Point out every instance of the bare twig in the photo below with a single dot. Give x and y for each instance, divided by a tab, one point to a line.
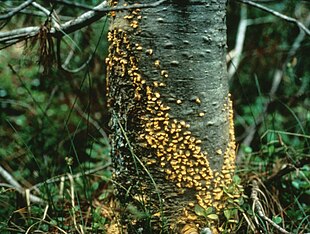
41	8
39	222
239	43
65	177
71	193
18	34
13	184
70	54
249	221
278	14
15	10
116	8
74	4
234	55
16	186
79	68
9	178
259	208
39	13
98	12
64	65
55	20
250	130
68	27
83	20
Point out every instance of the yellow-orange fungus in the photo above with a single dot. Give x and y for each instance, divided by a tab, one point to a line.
175	148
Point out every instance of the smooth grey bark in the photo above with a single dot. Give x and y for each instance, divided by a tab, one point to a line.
173	142
190	41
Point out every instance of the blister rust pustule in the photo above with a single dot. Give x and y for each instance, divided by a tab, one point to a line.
177	151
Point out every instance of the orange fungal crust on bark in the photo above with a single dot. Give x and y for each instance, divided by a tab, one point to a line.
176	150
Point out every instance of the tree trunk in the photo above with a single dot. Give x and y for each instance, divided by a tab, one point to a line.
171	115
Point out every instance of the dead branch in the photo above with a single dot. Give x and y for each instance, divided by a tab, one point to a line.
13	184
237	51
119	8
277	78
68	27
278	14
259	208
15	10
234	56
76	70
54	19
16	186
9	178
87	18
64	177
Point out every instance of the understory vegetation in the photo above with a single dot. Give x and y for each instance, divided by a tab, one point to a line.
55	157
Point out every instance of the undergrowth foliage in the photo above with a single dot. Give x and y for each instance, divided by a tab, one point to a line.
53	141
54	150
272	117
